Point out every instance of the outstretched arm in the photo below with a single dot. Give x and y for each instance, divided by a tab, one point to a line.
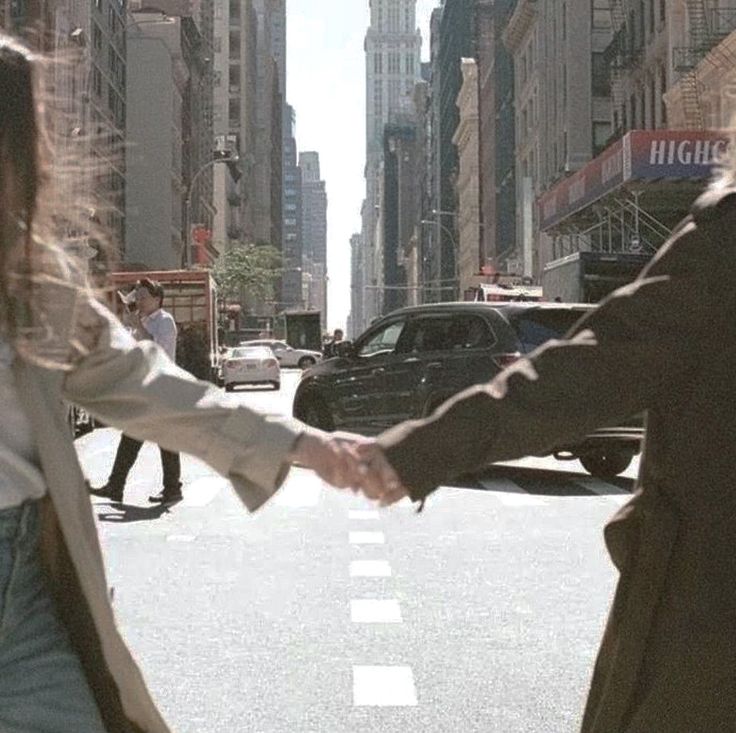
637	346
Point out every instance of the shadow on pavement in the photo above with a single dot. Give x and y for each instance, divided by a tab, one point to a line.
544	482
132	513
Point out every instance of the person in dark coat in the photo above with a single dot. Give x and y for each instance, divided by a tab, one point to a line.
665	343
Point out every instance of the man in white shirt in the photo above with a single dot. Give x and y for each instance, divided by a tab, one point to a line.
151	323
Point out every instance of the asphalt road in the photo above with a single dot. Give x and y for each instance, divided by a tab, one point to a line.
319	613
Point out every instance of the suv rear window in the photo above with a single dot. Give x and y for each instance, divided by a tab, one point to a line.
538	326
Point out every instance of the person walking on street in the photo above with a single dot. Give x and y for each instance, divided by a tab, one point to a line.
149	321
664	344
331	347
64	665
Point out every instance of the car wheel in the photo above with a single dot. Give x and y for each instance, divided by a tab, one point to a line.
306	361
229	387
314	412
276	385
606	464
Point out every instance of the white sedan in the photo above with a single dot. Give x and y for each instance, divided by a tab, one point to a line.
287	355
250	365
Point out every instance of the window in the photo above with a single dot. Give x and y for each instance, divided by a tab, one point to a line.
601	76
378	63
662	10
446	333
382	341
601	133
409	64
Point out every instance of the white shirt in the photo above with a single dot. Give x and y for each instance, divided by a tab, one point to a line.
161	326
20	476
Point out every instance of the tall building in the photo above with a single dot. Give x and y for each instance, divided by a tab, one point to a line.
291	281
392	54
497	177
357	282
467	142
235	122
453	38
314	230
562	108
169	144
270	109
90	89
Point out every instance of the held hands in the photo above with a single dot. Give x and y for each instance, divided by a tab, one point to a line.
350	461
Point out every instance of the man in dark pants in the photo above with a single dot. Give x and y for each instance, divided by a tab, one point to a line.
150	322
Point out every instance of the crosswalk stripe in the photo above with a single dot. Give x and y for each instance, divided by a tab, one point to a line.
302	489
602	488
510	494
202	491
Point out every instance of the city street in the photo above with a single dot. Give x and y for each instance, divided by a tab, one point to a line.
319	613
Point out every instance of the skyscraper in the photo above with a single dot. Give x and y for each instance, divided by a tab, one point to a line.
392	53
314	229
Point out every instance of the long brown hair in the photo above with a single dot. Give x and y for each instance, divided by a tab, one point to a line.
41	279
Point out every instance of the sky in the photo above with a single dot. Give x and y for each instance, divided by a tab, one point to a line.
325	83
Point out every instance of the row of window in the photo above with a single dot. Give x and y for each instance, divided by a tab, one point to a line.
393	63
389	18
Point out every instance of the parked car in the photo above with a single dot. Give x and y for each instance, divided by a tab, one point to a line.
410	361
250	365
287	355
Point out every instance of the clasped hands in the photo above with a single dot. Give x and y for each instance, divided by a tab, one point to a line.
350	461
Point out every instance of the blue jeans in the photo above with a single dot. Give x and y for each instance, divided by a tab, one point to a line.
42	686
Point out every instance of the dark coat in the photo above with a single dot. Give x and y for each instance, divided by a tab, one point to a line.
666	343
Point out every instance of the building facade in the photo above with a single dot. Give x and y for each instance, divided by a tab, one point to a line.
168	203
562	108
467	142
291	282
314	231
392	56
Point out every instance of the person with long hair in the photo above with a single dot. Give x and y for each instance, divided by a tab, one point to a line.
63	664
664	344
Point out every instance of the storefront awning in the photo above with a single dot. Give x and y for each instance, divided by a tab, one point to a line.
646	156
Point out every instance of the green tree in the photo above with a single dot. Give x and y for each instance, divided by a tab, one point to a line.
251	268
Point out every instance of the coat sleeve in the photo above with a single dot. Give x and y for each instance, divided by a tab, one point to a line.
616	362
134	386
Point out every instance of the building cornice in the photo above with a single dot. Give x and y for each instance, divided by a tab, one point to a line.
519	24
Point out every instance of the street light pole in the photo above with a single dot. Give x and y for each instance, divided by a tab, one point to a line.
453	241
186	223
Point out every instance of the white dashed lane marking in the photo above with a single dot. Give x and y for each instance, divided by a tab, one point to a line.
362	514
366	538
383	686
181	538
374	611
370	569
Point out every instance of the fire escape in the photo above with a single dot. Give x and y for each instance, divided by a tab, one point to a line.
708	25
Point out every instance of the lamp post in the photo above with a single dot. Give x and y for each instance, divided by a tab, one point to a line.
228	157
437	222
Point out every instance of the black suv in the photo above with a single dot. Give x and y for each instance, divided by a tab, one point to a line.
410	361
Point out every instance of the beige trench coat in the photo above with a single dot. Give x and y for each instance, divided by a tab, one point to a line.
132	386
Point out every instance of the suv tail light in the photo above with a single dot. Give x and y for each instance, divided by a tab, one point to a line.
269	363
232	362
504	360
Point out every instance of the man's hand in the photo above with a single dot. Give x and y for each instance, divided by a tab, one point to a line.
346	460
379	480
331	456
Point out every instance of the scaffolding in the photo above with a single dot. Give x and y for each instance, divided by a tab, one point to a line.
621	226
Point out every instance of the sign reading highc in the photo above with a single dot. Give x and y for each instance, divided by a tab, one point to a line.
641	155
